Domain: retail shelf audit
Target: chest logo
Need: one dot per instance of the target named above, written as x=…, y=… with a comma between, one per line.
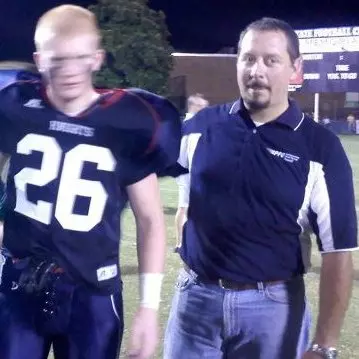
x=288, y=157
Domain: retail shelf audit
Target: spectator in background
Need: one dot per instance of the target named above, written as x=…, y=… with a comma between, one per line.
x=326, y=122
x=351, y=123
x=195, y=103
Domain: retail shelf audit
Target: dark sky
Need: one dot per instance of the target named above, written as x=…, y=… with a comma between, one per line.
x=195, y=25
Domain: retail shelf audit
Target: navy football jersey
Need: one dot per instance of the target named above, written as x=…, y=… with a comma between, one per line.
x=68, y=175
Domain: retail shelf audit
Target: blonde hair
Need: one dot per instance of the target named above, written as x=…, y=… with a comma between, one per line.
x=65, y=20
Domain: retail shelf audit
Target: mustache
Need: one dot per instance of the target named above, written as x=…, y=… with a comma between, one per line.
x=257, y=85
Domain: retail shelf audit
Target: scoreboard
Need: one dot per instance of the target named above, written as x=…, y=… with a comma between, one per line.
x=330, y=60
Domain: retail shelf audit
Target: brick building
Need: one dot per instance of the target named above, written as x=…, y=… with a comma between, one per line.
x=213, y=75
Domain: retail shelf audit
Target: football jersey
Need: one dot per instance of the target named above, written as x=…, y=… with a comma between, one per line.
x=68, y=175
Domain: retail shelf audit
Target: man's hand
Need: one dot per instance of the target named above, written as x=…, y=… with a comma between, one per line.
x=144, y=334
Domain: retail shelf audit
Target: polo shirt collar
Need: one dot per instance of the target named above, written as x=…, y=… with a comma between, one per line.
x=291, y=117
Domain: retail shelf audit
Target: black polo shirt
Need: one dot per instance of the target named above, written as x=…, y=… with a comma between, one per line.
x=257, y=192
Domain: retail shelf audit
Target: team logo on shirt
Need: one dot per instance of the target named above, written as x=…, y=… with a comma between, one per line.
x=286, y=156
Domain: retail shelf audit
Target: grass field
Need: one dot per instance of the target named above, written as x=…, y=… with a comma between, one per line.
x=349, y=345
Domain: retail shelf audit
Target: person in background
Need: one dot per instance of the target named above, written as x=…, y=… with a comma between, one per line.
x=351, y=123
x=195, y=103
x=326, y=122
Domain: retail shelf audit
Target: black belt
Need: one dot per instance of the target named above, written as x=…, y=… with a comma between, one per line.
x=233, y=285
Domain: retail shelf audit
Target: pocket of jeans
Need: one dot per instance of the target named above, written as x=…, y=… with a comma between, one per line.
x=277, y=293
x=184, y=280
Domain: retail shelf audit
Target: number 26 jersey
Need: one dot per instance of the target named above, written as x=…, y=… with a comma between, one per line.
x=67, y=178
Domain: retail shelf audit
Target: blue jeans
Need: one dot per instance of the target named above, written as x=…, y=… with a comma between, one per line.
x=207, y=321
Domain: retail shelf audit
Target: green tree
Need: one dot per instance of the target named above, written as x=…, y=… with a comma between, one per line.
x=136, y=40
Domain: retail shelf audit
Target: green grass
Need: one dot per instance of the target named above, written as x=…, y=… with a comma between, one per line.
x=349, y=346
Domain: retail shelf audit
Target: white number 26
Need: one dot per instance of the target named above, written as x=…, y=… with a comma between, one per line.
x=70, y=185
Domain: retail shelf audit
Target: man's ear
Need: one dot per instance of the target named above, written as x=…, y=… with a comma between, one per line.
x=297, y=67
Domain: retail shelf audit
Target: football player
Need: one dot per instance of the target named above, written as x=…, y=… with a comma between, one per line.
x=76, y=157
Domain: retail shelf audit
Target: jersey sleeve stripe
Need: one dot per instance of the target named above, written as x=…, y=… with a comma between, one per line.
x=116, y=96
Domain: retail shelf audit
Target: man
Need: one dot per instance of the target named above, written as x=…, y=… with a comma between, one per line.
x=262, y=177
x=195, y=103
x=76, y=157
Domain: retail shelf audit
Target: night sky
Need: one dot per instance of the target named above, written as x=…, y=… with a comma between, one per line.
x=195, y=25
